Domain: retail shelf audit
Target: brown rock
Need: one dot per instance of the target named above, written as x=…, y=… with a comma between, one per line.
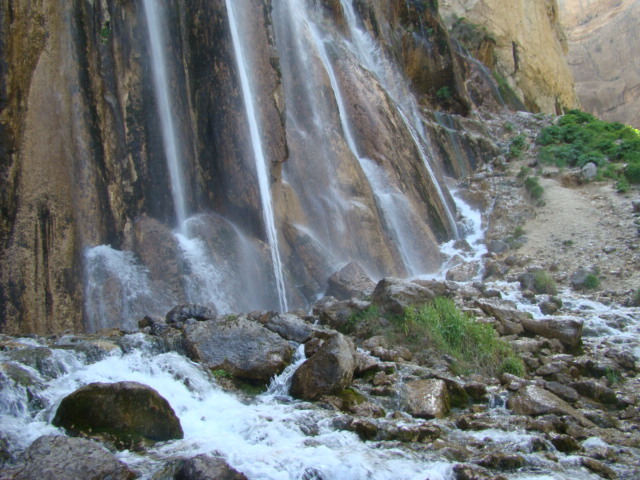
x=329, y=370
x=239, y=346
x=125, y=412
x=57, y=456
x=349, y=282
x=534, y=400
x=395, y=295
x=427, y=398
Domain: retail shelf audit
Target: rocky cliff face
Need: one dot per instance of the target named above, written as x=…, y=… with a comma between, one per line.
x=603, y=55
x=87, y=209
x=525, y=44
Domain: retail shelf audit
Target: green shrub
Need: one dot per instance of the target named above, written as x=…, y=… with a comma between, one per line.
x=475, y=346
x=512, y=365
x=591, y=282
x=519, y=231
x=635, y=300
x=533, y=187
x=543, y=283
x=517, y=146
x=579, y=138
x=365, y=316
x=444, y=93
x=632, y=172
x=523, y=173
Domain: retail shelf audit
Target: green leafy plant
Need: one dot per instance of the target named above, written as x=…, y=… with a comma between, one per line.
x=220, y=373
x=475, y=346
x=519, y=231
x=591, y=282
x=613, y=375
x=579, y=138
x=444, y=93
x=517, y=146
x=533, y=187
x=543, y=283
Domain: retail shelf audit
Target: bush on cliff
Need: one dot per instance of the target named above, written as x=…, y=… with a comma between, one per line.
x=579, y=138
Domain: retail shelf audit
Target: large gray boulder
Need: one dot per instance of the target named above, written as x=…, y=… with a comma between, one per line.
x=509, y=318
x=329, y=370
x=567, y=330
x=239, y=346
x=395, y=295
x=427, y=398
x=200, y=467
x=53, y=457
x=351, y=281
x=534, y=401
x=125, y=413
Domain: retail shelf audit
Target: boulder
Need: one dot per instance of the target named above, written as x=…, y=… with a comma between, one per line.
x=338, y=313
x=589, y=171
x=567, y=330
x=58, y=456
x=534, y=401
x=498, y=246
x=239, y=346
x=200, y=467
x=580, y=277
x=427, y=398
x=293, y=328
x=329, y=370
x=509, y=318
x=125, y=413
x=351, y=281
x=465, y=272
x=394, y=295
x=181, y=313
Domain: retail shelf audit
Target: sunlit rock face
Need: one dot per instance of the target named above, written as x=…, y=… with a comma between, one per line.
x=603, y=45
x=529, y=48
x=88, y=219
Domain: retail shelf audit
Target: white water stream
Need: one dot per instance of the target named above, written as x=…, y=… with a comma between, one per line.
x=259, y=156
x=165, y=109
x=270, y=437
x=369, y=55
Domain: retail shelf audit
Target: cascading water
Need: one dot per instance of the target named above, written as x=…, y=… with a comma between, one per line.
x=372, y=59
x=392, y=205
x=165, y=109
x=259, y=157
x=269, y=437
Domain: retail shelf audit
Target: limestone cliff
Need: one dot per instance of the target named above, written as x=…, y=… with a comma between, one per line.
x=528, y=48
x=87, y=222
x=603, y=55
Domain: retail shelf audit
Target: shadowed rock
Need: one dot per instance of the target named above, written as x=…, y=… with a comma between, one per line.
x=126, y=413
x=567, y=330
x=239, y=346
x=57, y=456
x=200, y=467
x=394, y=295
x=329, y=370
x=349, y=282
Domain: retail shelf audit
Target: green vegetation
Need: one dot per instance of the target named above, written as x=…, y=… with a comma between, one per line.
x=519, y=231
x=579, y=138
x=591, y=282
x=221, y=374
x=443, y=93
x=517, y=146
x=635, y=300
x=440, y=328
x=613, y=376
x=475, y=346
x=533, y=187
x=543, y=283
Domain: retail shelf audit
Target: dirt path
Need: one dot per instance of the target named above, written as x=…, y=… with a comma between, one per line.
x=586, y=225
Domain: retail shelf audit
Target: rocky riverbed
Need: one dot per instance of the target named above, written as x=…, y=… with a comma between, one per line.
x=323, y=395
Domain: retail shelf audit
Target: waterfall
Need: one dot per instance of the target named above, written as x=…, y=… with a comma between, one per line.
x=259, y=157
x=165, y=109
x=372, y=59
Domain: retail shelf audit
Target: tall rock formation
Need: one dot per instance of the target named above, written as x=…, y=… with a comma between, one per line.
x=88, y=233
x=528, y=48
x=604, y=42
